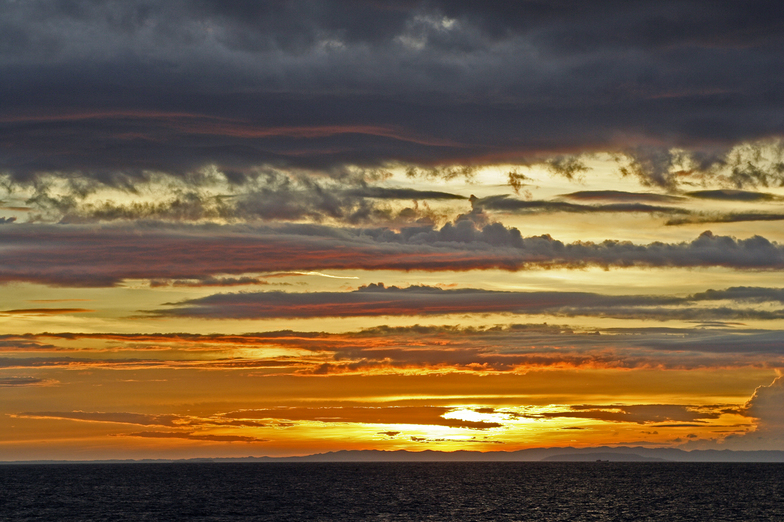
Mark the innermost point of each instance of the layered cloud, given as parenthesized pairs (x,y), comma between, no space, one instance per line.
(637,413)
(505,203)
(105,256)
(195,153)
(376,299)
(495,349)
(148,87)
(401,415)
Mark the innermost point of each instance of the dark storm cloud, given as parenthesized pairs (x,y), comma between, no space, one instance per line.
(115,88)
(376,299)
(75,255)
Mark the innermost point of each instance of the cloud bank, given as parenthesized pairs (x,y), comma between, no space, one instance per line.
(107,255)
(150,87)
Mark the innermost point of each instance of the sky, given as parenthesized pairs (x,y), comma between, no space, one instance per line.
(233,228)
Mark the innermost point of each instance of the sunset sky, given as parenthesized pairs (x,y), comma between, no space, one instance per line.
(233,228)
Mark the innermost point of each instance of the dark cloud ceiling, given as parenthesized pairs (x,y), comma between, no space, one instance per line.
(119,88)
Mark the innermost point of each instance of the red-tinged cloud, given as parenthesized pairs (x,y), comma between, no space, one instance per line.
(194,436)
(376,300)
(490,350)
(113,417)
(141,419)
(105,256)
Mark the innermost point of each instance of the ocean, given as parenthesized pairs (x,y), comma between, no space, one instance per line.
(434,491)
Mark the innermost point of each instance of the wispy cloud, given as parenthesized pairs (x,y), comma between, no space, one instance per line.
(45,311)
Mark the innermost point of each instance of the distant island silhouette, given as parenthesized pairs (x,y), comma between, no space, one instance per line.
(565,454)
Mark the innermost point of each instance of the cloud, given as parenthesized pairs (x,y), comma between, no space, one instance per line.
(45,311)
(637,413)
(732,195)
(733,217)
(194,436)
(376,299)
(210,281)
(505,203)
(400,193)
(113,417)
(140,419)
(262,195)
(621,196)
(137,87)
(106,255)
(419,415)
(14,382)
(767,405)
(412,349)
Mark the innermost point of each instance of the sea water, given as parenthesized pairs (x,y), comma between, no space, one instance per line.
(478,491)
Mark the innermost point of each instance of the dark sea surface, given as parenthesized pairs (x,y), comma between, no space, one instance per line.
(481,491)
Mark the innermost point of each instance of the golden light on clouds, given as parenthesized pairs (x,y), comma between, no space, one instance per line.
(283,244)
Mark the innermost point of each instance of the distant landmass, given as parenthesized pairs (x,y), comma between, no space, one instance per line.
(567,454)
(601,457)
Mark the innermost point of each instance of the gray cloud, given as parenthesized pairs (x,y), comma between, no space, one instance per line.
(487,349)
(13,382)
(376,299)
(732,195)
(505,203)
(194,436)
(732,217)
(116,89)
(269,195)
(399,193)
(767,404)
(105,255)
(619,195)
